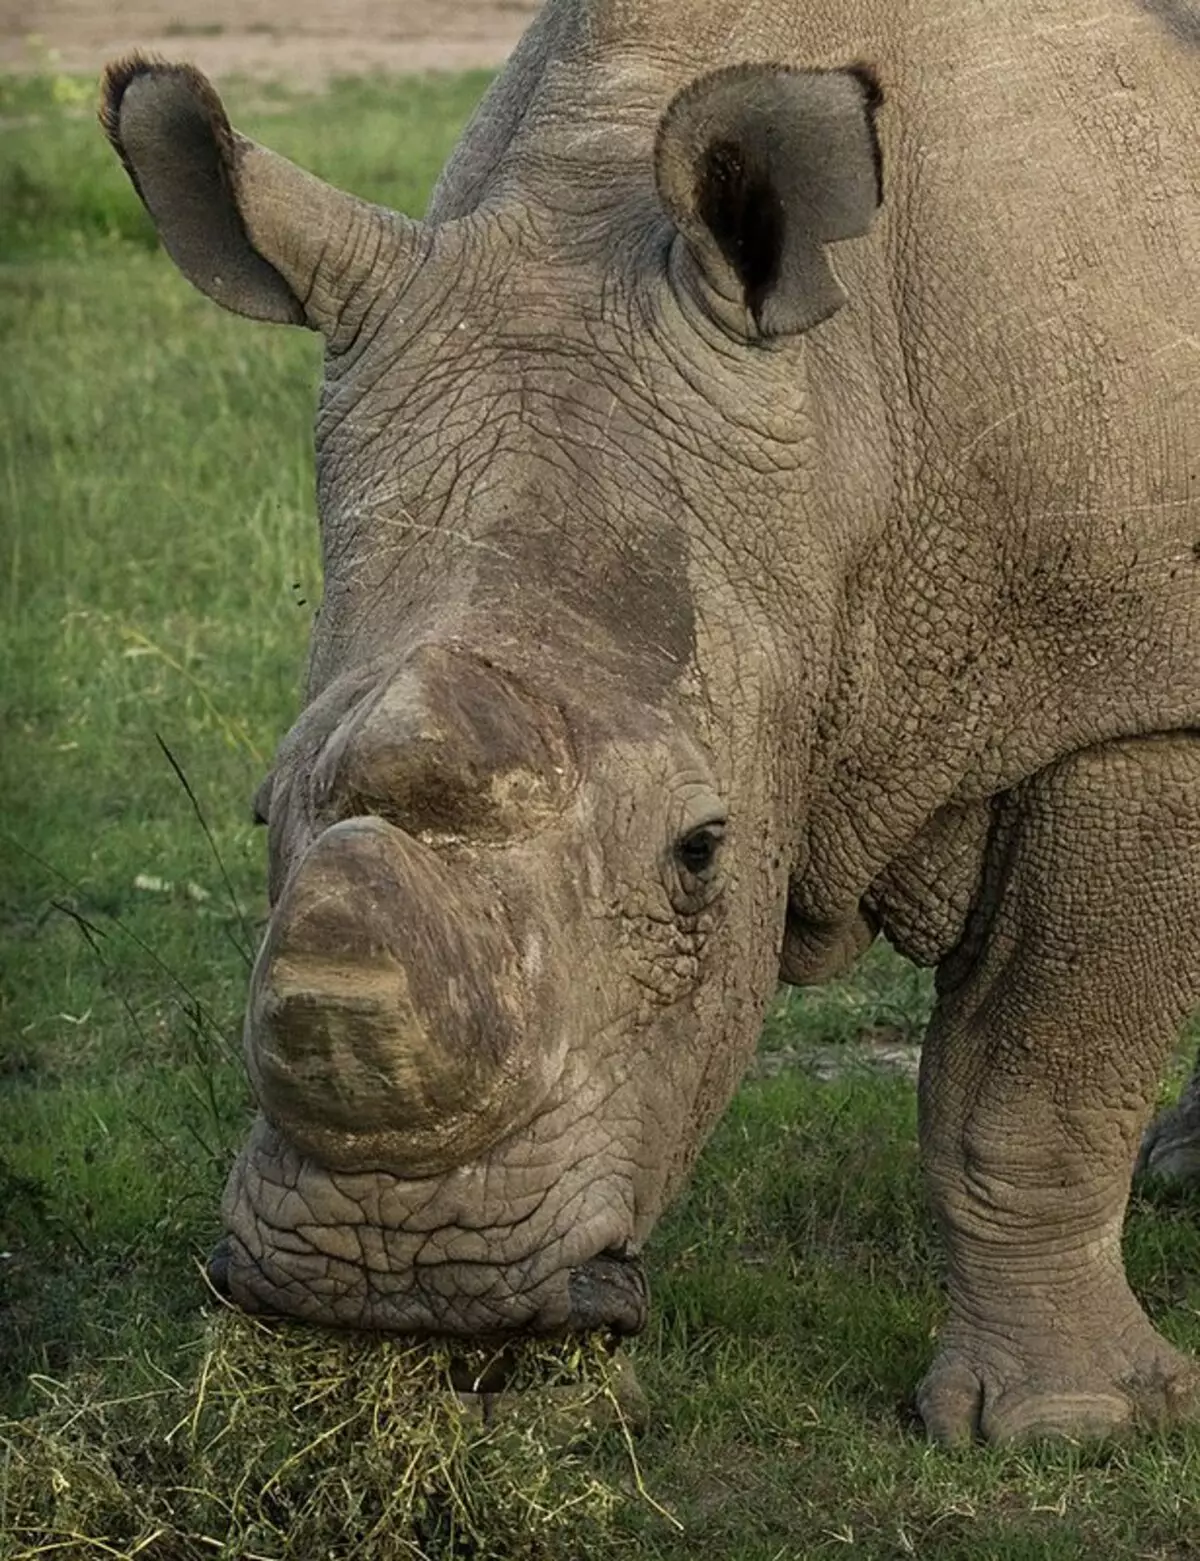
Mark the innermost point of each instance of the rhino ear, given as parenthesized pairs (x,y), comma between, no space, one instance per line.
(760,167)
(245,226)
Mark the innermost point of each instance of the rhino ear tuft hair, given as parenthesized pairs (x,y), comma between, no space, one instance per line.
(257,234)
(760,167)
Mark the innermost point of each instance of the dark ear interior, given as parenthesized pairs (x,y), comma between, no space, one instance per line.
(760,167)
(170,131)
(737,202)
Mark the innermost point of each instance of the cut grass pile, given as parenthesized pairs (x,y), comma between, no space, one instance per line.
(290,1442)
(158,572)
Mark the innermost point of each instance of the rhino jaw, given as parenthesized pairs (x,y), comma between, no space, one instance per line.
(608,1293)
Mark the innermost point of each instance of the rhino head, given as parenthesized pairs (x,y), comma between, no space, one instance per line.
(532,837)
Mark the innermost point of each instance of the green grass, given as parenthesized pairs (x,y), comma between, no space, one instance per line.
(157,576)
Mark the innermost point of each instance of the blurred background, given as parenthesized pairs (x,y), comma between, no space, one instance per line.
(303,41)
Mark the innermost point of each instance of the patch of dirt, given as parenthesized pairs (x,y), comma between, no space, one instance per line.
(878,1049)
(303,42)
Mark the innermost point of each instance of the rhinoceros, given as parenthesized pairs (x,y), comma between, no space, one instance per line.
(760,506)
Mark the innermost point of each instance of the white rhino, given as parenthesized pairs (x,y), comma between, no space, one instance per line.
(761,510)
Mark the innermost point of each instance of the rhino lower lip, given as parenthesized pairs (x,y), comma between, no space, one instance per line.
(609,1292)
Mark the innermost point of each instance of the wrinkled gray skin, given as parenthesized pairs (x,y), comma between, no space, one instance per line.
(720,571)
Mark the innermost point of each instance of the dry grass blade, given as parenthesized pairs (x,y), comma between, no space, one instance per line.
(246,947)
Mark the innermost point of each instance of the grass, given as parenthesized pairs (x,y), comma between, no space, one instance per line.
(290,1440)
(157,576)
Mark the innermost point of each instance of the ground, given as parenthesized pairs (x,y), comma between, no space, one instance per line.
(302,41)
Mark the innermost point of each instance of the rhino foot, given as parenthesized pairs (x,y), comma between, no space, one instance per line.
(984,1388)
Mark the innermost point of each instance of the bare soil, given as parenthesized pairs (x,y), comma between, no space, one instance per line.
(300,41)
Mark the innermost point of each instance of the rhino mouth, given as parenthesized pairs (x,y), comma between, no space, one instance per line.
(606,1294)
(466,1255)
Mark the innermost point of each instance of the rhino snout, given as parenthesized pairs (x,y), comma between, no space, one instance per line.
(388,1024)
(608,1293)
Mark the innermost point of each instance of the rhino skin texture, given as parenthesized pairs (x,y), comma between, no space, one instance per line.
(760,507)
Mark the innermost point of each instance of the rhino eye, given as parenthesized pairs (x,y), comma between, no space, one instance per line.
(696,852)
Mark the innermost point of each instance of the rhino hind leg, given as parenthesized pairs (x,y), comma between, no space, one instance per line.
(1054,1019)
(1170,1150)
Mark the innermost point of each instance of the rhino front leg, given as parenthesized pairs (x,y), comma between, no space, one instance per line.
(1054,1019)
